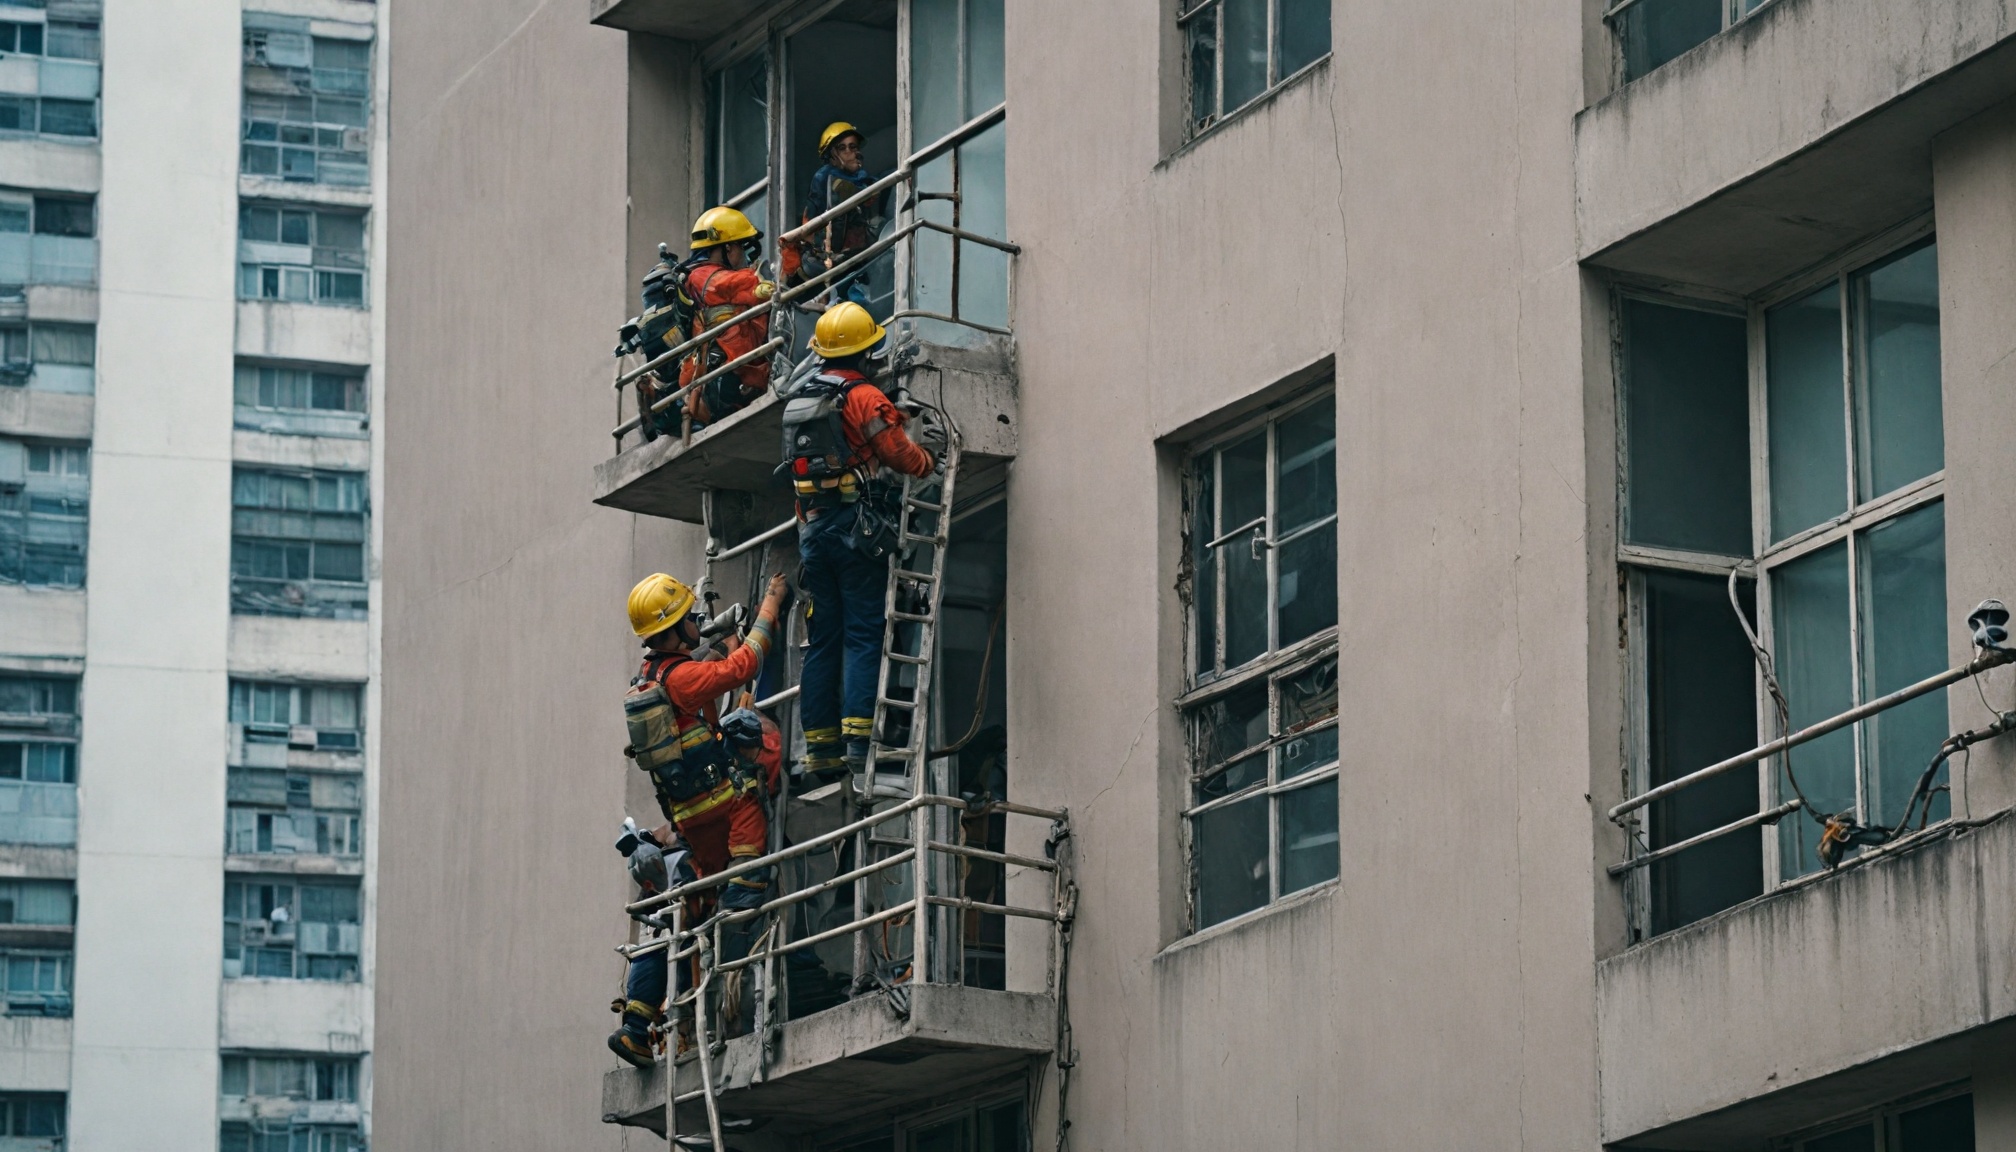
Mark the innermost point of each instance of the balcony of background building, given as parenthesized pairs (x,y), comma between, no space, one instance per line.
(868,1030)
(1806,126)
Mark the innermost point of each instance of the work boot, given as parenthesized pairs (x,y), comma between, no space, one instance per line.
(632,1039)
(856,759)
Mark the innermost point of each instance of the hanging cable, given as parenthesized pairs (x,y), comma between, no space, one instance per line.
(1779,704)
(979,693)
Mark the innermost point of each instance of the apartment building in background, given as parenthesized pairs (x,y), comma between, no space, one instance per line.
(188,451)
(1406,444)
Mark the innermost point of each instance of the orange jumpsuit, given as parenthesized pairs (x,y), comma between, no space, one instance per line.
(722,293)
(727,822)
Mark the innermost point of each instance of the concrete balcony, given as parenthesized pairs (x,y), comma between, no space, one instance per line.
(974,385)
(853,1060)
(1807,127)
(1807,1004)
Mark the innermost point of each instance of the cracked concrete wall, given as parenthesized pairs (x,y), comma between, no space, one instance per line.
(506,648)
(1408,210)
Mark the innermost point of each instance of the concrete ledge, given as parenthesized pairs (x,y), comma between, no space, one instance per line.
(325,334)
(292,1015)
(1794,134)
(1768,1016)
(50,415)
(679,19)
(665,478)
(289,648)
(855,1060)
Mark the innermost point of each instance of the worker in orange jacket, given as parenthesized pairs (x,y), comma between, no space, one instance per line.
(842,432)
(713,791)
(722,280)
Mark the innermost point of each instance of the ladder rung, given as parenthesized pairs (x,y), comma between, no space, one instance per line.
(925,506)
(889,754)
(905,658)
(906,574)
(912,617)
(914,538)
(910,705)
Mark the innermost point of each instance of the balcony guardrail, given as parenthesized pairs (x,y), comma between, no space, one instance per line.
(1989,625)
(908,225)
(925,909)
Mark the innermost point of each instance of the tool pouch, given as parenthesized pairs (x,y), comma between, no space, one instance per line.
(878,522)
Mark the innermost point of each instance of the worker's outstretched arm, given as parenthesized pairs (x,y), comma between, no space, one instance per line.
(693,684)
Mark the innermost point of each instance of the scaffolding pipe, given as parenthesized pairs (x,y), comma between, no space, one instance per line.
(755,542)
(1769,816)
(1993,658)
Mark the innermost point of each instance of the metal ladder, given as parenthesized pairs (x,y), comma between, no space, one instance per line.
(913,596)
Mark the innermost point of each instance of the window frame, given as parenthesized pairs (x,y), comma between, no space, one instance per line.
(1188,12)
(358,602)
(59,497)
(1274,666)
(1883,1118)
(300,961)
(253,54)
(324,261)
(1734,12)
(1768,556)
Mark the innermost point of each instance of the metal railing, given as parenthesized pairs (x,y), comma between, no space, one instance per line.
(908,225)
(926,909)
(1843,831)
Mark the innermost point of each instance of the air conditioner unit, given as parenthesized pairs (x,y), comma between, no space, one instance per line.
(301,736)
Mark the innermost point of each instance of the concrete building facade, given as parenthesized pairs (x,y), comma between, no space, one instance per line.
(188,650)
(1414,433)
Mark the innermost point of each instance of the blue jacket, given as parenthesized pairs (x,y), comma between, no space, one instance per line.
(820,199)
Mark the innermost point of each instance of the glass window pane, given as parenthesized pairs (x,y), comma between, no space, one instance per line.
(1232,723)
(1861,1139)
(1903,641)
(1655,31)
(1202,37)
(984,39)
(1303,27)
(1809,456)
(1809,607)
(1245,50)
(934,69)
(1308,584)
(1240,774)
(949,1136)
(1000,1129)
(1308,836)
(1307,699)
(1229,851)
(1687,429)
(1243,474)
(1700,707)
(745,124)
(1897,372)
(1204,562)
(1306,473)
(1947,1126)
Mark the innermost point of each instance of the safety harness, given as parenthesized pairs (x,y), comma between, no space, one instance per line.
(683,755)
(825,470)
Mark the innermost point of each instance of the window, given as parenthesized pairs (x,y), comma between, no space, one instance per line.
(274,812)
(38,760)
(275,927)
(300,255)
(23,39)
(47,239)
(956,74)
(307,104)
(49,116)
(304,1079)
(1261,589)
(1239,50)
(1945,1126)
(297,543)
(1652,32)
(48,357)
(38,982)
(268,1137)
(1840,563)
(738,135)
(38,903)
(74,39)
(312,716)
(303,401)
(45,495)
(997,1127)
(33,1116)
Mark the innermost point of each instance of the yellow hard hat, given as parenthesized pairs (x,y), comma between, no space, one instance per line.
(834,131)
(657,603)
(722,226)
(845,329)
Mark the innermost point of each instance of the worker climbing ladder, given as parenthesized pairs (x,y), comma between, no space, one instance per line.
(913,597)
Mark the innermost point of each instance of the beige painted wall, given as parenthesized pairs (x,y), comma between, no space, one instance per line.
(1408,210)
(505,645)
